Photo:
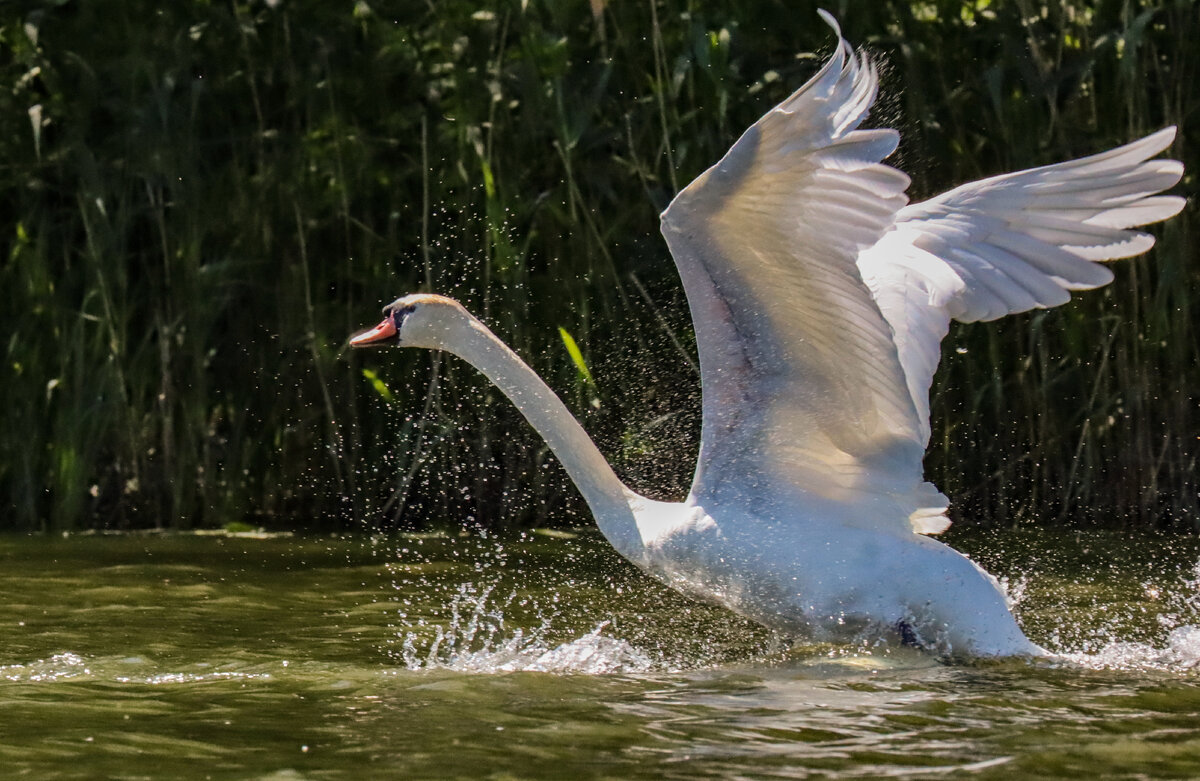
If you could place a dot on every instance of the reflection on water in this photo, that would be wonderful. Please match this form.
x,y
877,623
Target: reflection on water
x,y
182,657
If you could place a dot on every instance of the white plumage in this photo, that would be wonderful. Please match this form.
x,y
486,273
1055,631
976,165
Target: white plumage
x,y
841,293
819,299
1012,243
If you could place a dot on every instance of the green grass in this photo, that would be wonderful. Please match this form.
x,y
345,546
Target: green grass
x,y
200,201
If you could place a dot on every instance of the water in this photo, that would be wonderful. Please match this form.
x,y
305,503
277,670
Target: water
x,y
541,657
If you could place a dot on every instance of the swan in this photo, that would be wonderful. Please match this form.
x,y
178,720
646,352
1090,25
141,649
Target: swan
x,y
819,297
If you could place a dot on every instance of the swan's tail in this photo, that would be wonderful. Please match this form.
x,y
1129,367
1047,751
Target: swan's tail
x,y
930,516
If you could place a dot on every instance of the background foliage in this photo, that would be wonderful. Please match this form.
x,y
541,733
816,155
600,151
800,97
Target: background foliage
x,y
199,201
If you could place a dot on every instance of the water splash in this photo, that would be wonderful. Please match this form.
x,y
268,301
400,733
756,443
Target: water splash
x,y
1143,614
1015,589
476,639
1180,651
591,654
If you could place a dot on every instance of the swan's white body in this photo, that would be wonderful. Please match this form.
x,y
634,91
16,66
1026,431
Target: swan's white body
x,y
819,300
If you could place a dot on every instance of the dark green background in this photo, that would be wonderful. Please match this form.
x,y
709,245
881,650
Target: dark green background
x,y
199,201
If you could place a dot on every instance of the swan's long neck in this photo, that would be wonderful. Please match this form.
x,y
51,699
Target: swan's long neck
x,y
607,497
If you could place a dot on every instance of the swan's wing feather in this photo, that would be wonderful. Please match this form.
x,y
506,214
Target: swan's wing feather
x,y
1012,243
804,396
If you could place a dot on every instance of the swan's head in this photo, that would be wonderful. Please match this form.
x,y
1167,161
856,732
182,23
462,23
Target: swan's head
x,y
418,320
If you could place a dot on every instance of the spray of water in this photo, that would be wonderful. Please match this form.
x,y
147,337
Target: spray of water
x,y
477,639
1180,650
502,628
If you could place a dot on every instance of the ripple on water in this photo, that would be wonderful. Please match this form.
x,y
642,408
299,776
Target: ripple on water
x,y
60,667
125,670
273,667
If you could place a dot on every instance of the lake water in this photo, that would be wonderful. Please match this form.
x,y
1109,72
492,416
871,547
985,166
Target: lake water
x,y
194,657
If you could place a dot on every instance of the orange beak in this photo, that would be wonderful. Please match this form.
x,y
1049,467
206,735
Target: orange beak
x,y
378,335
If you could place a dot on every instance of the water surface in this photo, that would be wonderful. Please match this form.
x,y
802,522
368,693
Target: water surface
x,y
190,657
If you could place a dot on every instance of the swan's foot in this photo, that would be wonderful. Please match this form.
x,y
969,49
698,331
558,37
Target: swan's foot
x,y
908,635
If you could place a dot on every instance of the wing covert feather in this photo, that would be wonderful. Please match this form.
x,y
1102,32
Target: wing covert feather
x,y
1012,243
820,298
803,389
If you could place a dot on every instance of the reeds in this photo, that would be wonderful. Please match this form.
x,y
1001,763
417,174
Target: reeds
x,y
200,202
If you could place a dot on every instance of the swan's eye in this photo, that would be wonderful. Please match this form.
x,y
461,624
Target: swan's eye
x,y
398,315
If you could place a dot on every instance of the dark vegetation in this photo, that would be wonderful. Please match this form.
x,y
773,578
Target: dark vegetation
x,y
199,201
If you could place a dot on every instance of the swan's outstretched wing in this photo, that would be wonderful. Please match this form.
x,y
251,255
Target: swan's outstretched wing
x,y
805,400
1012,243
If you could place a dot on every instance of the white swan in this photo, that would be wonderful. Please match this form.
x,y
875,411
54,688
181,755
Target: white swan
x,y
819,300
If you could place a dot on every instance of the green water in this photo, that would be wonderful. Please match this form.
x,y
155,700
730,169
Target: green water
x,y
541,657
